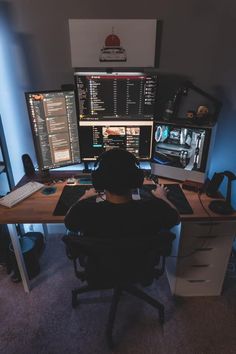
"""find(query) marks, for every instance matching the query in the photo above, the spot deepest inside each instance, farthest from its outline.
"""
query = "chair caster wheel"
(74, 299)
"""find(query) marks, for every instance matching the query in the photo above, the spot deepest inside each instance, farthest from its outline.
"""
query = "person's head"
(117, 171)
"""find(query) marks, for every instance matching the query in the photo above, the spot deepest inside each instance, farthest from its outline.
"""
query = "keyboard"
(20, 194)
(69, 196)
(175, 195)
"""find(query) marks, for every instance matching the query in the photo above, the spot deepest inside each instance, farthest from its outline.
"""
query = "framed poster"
(113, 43)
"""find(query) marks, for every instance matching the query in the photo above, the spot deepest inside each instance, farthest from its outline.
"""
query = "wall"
(196, 43)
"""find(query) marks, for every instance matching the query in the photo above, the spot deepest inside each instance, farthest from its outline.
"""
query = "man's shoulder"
(91, 203)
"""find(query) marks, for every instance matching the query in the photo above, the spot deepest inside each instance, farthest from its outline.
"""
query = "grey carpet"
(44, 321)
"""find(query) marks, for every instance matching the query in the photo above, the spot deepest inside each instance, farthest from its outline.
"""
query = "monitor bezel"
(36, 147)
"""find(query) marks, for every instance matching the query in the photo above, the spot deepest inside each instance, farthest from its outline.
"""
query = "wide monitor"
(181, 152)
(53, 119)
(99, 136)
(116, 95)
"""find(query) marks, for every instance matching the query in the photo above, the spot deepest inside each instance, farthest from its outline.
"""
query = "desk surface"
(39, 208)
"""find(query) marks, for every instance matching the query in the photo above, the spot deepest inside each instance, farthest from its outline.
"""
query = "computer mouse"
(49, 190)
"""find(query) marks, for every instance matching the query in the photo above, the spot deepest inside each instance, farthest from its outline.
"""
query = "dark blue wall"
(197, 43)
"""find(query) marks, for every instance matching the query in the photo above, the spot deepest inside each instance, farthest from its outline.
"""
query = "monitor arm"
(183, 91)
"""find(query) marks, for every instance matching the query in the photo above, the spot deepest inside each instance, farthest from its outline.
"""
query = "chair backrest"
(114, 262)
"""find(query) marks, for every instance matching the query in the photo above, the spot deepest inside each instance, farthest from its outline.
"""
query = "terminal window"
(119, 95)
(55, 128)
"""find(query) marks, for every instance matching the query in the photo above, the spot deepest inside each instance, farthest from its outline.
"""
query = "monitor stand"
(45, 176)
(86, 168)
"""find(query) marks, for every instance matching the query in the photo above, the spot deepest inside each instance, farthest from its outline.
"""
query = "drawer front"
(200, 287)
(193, 271)
(208, 228)
(206, 238)
(198, 251)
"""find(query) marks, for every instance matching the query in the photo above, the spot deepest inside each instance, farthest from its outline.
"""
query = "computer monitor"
(98, 136)
(116, 95)
(53, 119)
(181, 152)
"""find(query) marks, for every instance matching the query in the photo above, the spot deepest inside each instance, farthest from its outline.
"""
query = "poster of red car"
(98, 43)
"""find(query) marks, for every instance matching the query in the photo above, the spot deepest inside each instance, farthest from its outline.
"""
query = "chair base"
(133, 290)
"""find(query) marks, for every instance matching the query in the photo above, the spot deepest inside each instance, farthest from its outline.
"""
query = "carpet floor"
(44, 321)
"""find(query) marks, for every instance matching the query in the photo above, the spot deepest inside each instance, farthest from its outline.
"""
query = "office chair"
(119, 264)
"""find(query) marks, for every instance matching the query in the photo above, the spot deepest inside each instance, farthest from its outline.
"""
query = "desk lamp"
(224, 206)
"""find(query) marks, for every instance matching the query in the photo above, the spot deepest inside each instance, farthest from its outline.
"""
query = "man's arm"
(89, 193)
(161, 193)
(168, 210)
(78, 213)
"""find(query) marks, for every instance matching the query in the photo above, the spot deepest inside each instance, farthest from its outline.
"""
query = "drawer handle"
(204, 249)
(200, 265)
(198, 281)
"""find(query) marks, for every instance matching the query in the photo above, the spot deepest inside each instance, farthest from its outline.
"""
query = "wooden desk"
(183, 269)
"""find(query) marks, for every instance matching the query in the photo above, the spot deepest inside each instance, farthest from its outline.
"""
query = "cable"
(203, 206)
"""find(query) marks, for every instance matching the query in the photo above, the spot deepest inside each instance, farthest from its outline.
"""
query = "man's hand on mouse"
(89, 193)
(160, 191)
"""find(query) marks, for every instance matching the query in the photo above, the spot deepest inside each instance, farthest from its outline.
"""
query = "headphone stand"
(224, 206)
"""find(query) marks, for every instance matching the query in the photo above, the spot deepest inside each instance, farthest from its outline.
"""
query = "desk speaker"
(28, 165)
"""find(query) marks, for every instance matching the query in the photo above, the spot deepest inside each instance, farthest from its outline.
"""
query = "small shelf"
(186, 122)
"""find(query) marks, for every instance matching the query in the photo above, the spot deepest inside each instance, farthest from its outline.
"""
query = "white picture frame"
(113, 42)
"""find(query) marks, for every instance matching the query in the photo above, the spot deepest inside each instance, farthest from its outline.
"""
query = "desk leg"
(19, 257)
(45, 231)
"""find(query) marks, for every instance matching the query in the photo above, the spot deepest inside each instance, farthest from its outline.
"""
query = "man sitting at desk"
(117, 215)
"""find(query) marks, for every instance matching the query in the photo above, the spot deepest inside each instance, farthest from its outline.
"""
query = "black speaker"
(28, 165)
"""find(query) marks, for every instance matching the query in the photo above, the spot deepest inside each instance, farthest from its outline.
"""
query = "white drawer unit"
(200, 257)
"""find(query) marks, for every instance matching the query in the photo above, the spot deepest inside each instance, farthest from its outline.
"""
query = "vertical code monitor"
(54, 124)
